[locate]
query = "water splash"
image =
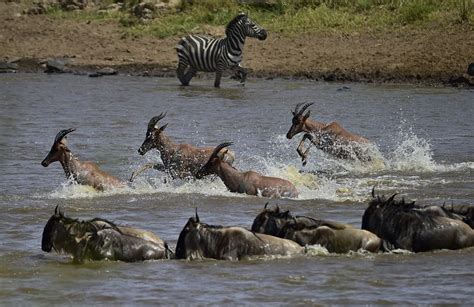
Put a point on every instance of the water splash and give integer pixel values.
(406, 164)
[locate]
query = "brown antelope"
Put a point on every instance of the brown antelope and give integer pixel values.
(81, 172)
(179, 160)
(249, 182)
(331, 138)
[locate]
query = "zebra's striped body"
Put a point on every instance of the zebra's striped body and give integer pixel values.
(201, 53)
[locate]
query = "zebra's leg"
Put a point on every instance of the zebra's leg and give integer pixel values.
(217, 81)
(180, 72)
(189, 75)
(241, 73)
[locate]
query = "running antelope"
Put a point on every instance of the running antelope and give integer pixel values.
(179, 160)
(249, 182)
(331, 138)
(81, 172)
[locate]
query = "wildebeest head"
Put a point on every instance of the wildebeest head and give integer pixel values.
(152, 133)
(245, 25)
(373, 215)
(189, 238)
(270, 221)
(54, 232)
(298, 120)
(59, 149)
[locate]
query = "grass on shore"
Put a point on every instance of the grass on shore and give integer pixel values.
(292, 16)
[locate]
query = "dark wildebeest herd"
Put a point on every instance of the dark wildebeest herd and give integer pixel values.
(387, 223)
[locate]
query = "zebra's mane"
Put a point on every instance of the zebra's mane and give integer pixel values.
(230, 26)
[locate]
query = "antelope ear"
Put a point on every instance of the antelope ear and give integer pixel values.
(307, 115)
(162, 128)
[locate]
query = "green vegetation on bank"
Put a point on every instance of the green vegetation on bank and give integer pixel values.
(291, 16)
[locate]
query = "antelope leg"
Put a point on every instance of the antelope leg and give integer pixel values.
(157, 166)
(303, 153)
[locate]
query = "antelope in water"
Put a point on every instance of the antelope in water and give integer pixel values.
(179, 160)
(249, 182)
(331, 138)
(81, 172)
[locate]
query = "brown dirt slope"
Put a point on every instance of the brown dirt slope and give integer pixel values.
(430, 55)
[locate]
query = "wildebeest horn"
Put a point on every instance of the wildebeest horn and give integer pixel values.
(219, 148)
(197, 216)
(265, 207)
(154, 120)
(277, 208)
(61, 134)
(304, 108)
(373, 192)
(58, 211)
(391, 198)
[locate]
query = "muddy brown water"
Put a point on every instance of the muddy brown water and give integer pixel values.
(424, 137)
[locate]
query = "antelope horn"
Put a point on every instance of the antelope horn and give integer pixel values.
(219, 148)
(154, 120)
(298, 105)
(304, 108)
(61, 134)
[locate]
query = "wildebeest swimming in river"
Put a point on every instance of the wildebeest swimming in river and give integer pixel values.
(99, 239)
(335, 237)
(198, 240)
(405, 225)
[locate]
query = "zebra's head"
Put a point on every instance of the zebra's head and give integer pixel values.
(246, 27)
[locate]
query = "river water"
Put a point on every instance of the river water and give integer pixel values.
(424, 136)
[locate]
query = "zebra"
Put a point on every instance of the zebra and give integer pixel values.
(201, 53)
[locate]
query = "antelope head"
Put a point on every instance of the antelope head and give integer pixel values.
(299, 119)
(59, 151)
(214, 160)
(152, 133)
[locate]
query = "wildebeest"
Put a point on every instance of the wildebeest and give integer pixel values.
(404, 225)
(331, 138)
(99, 239)
(335, 237)
(179, 160)
(249, 182)
(198, 240)
(81, 172)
